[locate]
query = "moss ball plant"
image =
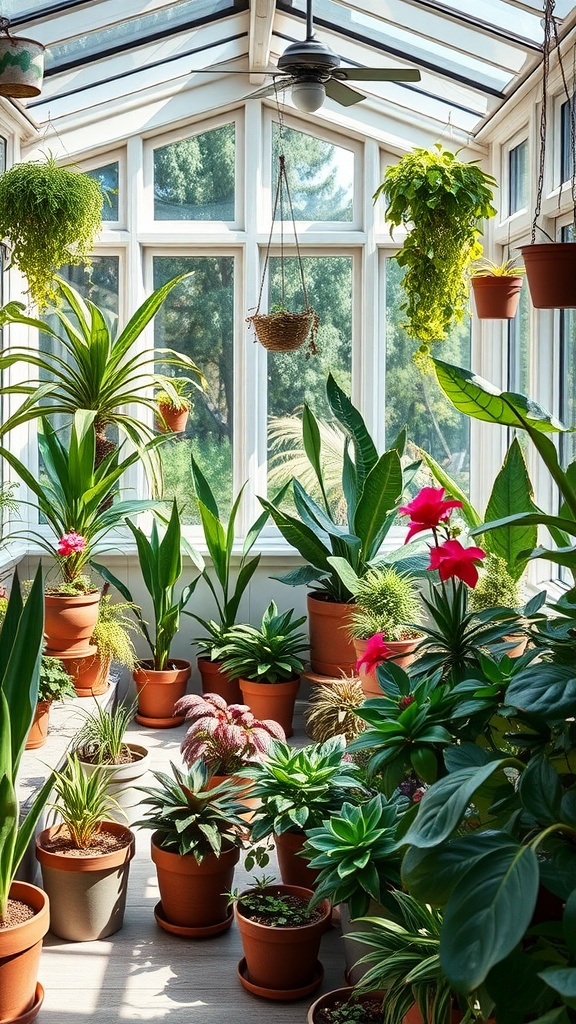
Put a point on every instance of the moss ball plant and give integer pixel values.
(386, 602)
(442, 202)
(496, 587)
(51, 216)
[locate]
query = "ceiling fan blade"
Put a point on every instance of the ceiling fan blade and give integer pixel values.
(378, 74)
(342, 93)
(270, 90)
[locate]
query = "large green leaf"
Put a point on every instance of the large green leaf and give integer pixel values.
(300, 536)
(563, 981)
(512, 493)
(443, 806)
(365, 453)
(469, 513)
(488, 912)
(476, 397)
(546, 690)
(430, 875)
(541, 791)
(380, 495)
(313, 447)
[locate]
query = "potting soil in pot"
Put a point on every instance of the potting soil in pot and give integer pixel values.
(349, 1011)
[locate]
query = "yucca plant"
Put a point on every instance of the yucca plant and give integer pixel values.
(82, 801)
(190, 818)
(99, 370)
(21, 643)
(404, 960)
(355, 853)
(266, 655)
(297, 789)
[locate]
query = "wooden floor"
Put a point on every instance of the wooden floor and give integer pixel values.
(144, 974)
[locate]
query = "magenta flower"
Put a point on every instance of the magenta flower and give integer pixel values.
(428, 510)
(71, 543)
(376, 651)
(451, 559)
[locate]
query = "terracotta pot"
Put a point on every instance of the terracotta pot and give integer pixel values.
(331, 649)
(172, 421)
(122, 782)
(20, 947)
(87, 894)
(272, 700)
(69, 621)
(22, 62)
(89, 674)
(38, 733)
(158, 693)
(496, 298)
(282, 959)
(403, 656)
(339, 995)
(194, 895)
(294, 869)
(551, 273)
(214, 680)
(250, 802)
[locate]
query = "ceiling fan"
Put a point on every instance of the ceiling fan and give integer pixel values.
(312, 71)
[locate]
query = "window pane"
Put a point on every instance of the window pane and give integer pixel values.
(320, 177)
(415, 399)
(568, 371)
(108, 177)
(197, 319)
(194, 178)
(518, 177)
(292, 378)
(566, 143)
(519, 357)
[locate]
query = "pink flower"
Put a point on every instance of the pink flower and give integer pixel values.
(451, 559)
(71, 543)
(418, 794)
(405, 702)
(427, 510)
(376, 651)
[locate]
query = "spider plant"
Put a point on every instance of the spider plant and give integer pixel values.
(82, 801)
(101, 738)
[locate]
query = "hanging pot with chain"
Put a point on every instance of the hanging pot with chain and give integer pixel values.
(21, 64)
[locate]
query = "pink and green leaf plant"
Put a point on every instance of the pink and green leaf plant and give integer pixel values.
(227, 737)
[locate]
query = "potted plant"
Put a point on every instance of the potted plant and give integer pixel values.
(101, 744)
(85, 860)
(441, 201)
(20, 935)
(372, 487)
(281, 937)
(174, 403)
(196, 844)
(266, 663)
(282, 330)
(387, 604)
(104, 369)
(496, 288)
(332, 710)
(162, 680)
(347, 1006)
(354, 853)
(54, 684)
(226, 585)
(296, 790)
(21, 62)
(113, 642)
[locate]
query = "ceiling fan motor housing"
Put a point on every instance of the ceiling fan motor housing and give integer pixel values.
(309, 58)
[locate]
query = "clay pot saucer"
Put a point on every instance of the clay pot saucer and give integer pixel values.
(278, 994)
(186, 932)
(32, 1013)
(160, 723)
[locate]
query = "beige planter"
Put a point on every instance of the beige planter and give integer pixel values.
(122, 782)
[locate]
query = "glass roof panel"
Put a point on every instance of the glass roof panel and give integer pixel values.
(16, 10)
(134, 31)
(504, 16)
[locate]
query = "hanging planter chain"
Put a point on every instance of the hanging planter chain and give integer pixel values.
(284, 331)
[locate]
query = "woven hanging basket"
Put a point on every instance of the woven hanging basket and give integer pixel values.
(21, 64)
(285, 331)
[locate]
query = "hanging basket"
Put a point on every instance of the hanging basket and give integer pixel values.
(285, 331)
(21, 65)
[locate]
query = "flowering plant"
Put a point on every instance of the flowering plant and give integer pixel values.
(225, 736)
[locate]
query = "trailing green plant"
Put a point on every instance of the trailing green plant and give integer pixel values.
(101, 737)
(70, 494)
(338, 552)
(190, 818)
(355, 853)
(496, 587)
(161, 566)
(332, 710)
(441, 201)
(54, 682)
(21, 643)
(387, 602)
(226, 582)
(82, 801)
(112, 631)
(269, 654)
(93, 366)
(297, 789)
(51, 216)
(404, 960)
